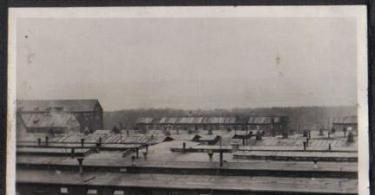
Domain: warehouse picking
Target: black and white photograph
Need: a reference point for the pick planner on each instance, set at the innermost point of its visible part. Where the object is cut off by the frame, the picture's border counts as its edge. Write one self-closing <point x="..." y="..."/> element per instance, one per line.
<point x="223" y="100"/>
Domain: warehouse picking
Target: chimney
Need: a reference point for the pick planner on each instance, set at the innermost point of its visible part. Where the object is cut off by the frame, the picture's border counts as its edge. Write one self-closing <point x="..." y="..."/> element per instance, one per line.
<point x="315" y="164"/>
<point x="82" y="142"/>
<point x="72" y="152"/>
<point x="304" y="145"/>
<point x="305" y="133"/>
<point x="183" y="147"/>
<point x="46" y="140"/>
<point x="221" y="158"/>
<point x="329" y="147"/>
<point x="145" y="155"/>
<point x="350" y="137"/>
<point x="97" y="146"/>
<point x="321" y="132"/>
<point x="80" y="164"/>
<point x="39" y="141"/>
<point x="133" y="159"/>
<point x="210" y="154"/>
<point x="100" y="141"/>
<point x="137" y="152"/>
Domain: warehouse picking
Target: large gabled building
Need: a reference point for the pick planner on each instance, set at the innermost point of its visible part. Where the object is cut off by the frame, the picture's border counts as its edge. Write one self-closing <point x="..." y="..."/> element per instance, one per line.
<point x="47" y="114"/>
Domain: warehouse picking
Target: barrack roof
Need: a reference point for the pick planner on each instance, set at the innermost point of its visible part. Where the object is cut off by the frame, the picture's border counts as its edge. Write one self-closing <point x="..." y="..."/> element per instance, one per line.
<point x="263" y="120"/>
<point x="187" y="120"/>
<point x="144" y="120"/>
<point x="203" y="182"/>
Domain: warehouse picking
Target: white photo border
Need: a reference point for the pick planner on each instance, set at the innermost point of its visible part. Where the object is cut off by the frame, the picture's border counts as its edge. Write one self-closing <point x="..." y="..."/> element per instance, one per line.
<point x="355" y="11"/>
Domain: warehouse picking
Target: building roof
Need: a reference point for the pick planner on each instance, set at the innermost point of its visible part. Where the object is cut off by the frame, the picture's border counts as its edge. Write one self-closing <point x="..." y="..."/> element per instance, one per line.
<point x="346" y="120"/>
<point x="243" y="133"/>
<point x="212" y="120"/>
<point x="83" y="105"/>
<point x="144" y="120"/>
<point x="160" y="155"/>
<point x="168" y="120"/>
<point x="194" y="182"/>
<point x="39" y="150"/>
<point x="189" y="120"/>
<point x="209" y="120"/>
<point x="260" y="120"/>
<point x="107" y="137"/>
<point x="230" y="120"/>
<point x="51" y="119"/>
<point x="197" y="119"/>
<point x="297" y="154"/>
<point x="219" y="120"/>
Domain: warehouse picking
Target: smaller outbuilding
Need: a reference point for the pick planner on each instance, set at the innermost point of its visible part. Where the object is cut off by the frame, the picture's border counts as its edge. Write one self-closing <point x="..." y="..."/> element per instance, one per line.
<point x="346" y="123"/>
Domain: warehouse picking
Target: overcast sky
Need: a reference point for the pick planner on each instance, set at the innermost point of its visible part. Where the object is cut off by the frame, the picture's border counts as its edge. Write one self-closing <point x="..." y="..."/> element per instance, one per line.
<point x="189" y="63"/>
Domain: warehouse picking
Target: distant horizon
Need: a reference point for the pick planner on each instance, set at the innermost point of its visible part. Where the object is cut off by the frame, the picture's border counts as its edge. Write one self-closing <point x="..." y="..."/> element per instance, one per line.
<point x="194" y="109"/>
<point x="228" y="109"/>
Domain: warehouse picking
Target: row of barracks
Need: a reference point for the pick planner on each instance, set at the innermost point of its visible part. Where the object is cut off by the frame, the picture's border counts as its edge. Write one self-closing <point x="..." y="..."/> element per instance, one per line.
<point x="271" y="125"/>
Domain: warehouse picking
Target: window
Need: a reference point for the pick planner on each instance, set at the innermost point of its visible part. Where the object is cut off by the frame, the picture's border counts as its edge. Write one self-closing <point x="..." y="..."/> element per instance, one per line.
<point x="92" y="192"/>
<point x="174" y="193"/>
<point x="118" y="192"/>
<point x="64" y="190"/>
